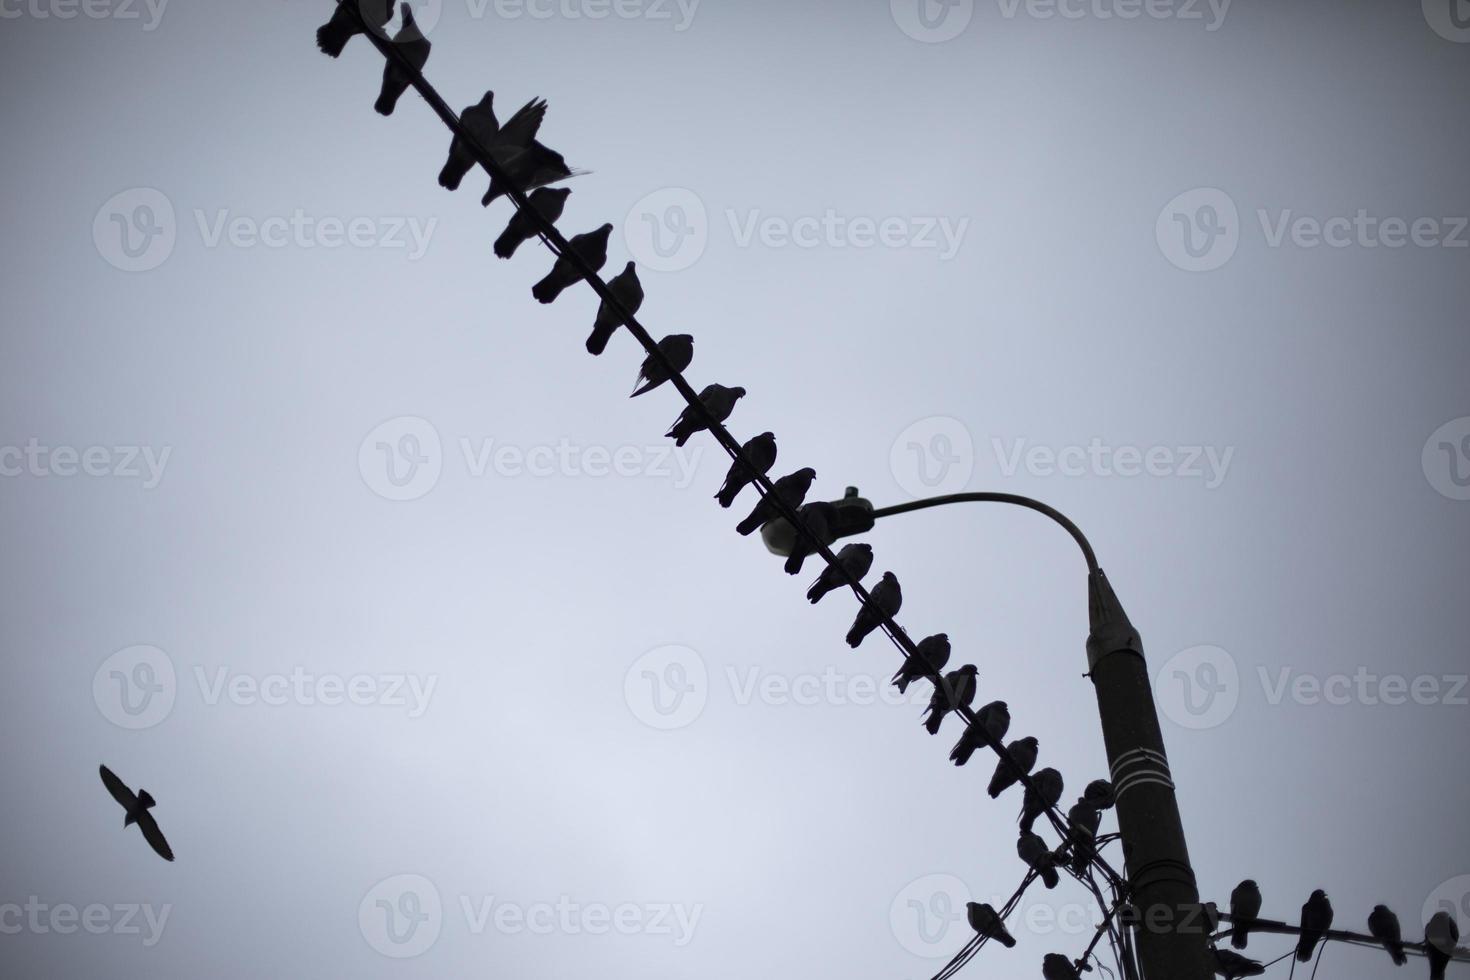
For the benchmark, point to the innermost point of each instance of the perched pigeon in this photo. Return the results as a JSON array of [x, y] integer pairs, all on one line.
[[1033, 850], [1099, 795], [1047, 791], [1023, 751], [791, 488], [345, 24], [761, 451], [628, 291], [1083, 820], [415, 49], [818, 517], [887, 599], [957, 691], [480, 120], [137, 807], [1055, 966], [985, 921], [933, 655], [590, 246], [988, 728], [534, 165], [718, 400], [1384, 927], [547, 202], [1316, 920], [1232, 965], [1441, 936], [1245, 906], [677, 349]]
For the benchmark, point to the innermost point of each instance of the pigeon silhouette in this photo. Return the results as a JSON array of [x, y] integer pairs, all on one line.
[[989, 727], [347, 22], [955, 692], [414, 47], [1033, 850], [819, 518], [590, 246], [1383, 925], [678, 349], [1023, 751], [1441, 937], [528, 167], [718, 400], [1082, 823], [1055, 966], [1232, 965], [628, 291], [480, 120], [137, 807], [985, 921], [933, 654], [887, 600], [1245, 906], [1043, 793], [761, 452], [791, 489], [1099, 794], [1316, 920], [548, 202]]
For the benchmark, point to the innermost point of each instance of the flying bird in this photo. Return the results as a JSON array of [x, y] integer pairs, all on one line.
[[761, 451], [677, 349], [956, 691], [532, 165], [989, 727], [819, 518], [887, 600], [480, 120], [933, 654], [985, 921], [1232, 965], [718, 400], [1023, 751], [137, 807], [1033, 850], [791, 489], [590, 246], [1441, 936], [1099, 794], [1316, 920], [628, 291], [545, 201], [414, 47], [1384, 927], [1046, 792], [1055, 966], [345, 24], [1245, 906]]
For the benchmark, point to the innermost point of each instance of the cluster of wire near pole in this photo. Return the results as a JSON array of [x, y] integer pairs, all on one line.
[[523, 170]]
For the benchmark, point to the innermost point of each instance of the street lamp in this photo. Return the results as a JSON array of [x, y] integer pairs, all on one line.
[[1168, 925]]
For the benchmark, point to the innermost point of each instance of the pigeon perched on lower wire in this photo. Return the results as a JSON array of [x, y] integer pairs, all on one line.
[[1383, 925], [933, 654], [1055, 966], [854, 559], [137, 807], [1316, 920], [1083, 820], [480, 120], [761, 452], [956, 691], [887, 600], [628, 291], [549, 202], [718, 400], [1232, 965], [985, 921], [346, 24], [1023, 751], [819, 518], [790, 489], [1245, 906], [1043, 793], [591, 246], [1039, 858], [1099, 794], [677, 349], [989, 727], [414, 47], [1441, 937]]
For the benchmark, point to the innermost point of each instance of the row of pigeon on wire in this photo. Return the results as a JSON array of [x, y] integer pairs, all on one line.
[[525, 161]]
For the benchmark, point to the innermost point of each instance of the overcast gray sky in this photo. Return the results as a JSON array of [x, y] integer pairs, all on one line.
[[279, 430]]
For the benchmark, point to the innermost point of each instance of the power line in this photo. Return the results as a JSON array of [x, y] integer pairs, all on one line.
[[1458, 954]]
